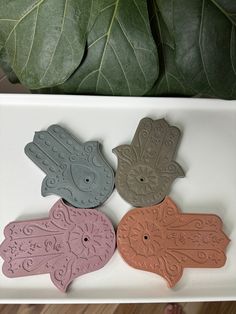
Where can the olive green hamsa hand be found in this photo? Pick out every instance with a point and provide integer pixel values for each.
(146, 167)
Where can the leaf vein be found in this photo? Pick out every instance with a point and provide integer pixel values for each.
(71, 48)
(15, 48)
(105, 78)
(62, 29)
(227, 14)
(22, 18)
(200, 44)
(95, 41)
(108, 38)
(231, 48)
(176, 78)
(145, 49)
(86, 77)
(107, 7)
(117, 57)
(32, 43)
(90, 15)
(162, 44)
(159, 84)
(144, 20)
(121, 27)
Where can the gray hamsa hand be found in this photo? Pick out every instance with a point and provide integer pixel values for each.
(146, 168)
(74, 171)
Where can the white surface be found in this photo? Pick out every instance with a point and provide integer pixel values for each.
(207, 153)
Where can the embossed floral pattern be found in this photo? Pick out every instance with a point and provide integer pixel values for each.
(146, 167)
(146, 239)
(160, 239)
(142, 179)
(68, 244)
(86, 239)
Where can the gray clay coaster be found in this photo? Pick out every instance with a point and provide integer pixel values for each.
(146, 168)
(75, 171)
(69, 243)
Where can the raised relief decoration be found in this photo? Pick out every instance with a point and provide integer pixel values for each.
(68, 244)
(162, 240)
(146, 167)
(75, 171)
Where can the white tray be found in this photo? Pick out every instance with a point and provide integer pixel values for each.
(207, 153)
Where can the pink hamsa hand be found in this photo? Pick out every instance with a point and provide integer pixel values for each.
(68, 244)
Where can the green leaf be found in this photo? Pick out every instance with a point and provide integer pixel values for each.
(121, 56)
(44, 39)
(205, 44)
(170, 82)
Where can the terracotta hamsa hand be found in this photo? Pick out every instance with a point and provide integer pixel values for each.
(146, 168)
(68, 244)
(76, 172)
(162, 240)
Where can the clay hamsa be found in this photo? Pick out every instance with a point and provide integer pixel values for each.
(162, 240)
(76, 172)
(146, 167)
(68, 244)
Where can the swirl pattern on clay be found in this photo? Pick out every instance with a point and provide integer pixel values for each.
(162, 240)
(68, 244)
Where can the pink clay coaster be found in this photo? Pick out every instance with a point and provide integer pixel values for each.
(68, 244)
(162, 240)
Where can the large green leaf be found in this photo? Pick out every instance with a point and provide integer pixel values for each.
(44, 39)
(205, 44)
(121, 57)
(170, 81)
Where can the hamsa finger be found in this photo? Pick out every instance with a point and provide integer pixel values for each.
(146, 167)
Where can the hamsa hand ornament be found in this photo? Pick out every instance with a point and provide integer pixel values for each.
(146, 167)
(162, 240)
(76, 172)
(68, 244)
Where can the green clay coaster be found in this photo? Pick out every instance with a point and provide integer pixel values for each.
(146, 167)
(75, 171)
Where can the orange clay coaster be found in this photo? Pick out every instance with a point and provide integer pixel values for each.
(162, 240)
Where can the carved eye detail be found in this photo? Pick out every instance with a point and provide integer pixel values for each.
(84, 178)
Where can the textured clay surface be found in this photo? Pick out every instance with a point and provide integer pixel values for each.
(146, 168)
(162, 240)
(76, 172)
(68, 244)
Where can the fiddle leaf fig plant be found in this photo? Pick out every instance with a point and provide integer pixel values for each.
(44, 39)
(121, 47)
